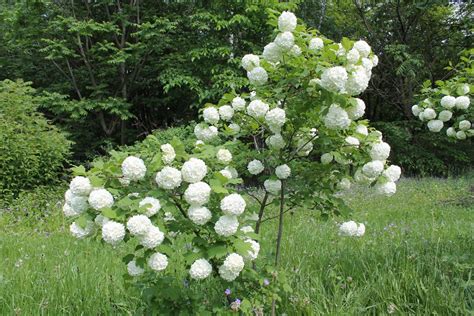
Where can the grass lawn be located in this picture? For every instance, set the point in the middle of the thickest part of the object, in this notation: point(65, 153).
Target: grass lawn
point(417, 257)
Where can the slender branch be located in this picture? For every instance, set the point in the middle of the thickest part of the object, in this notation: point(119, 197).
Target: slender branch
point(280, 223)
point(273, 217)
point(260, 213)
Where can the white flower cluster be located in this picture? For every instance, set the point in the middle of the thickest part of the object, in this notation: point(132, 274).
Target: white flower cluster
point(272, 186)
point(226, 225)
point(100, 198)
point(449, 108)
point(352, 229)
point(168, 154)
point(233, 204)
point(205, 132)
point(255, 167)
point(257, 109)
point(194, 170)
point(337, 118)
point(197, 194)
point(224, 156)
point(283, 171)
point(133, 168)
point(232, 266)
point(199, 215)
point(151, 204)
point(168, 178)
point(200, 269)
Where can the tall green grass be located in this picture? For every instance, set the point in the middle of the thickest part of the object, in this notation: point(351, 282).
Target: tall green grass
point(417, 257)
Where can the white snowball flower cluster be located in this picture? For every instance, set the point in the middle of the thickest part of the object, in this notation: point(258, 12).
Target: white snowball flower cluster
point(276, 117)
point(113, 232)
point(138, 225)
point(445, 115)
point(205, 133)
point(224, 156)
point(463, 102)
point(168, 154)
point(272, 186)
point(257, 76)
point(211, 115)
point(337, 118)
point(316, 43)
point(253, 253)
point(275, 142)
point(194, 170)
point(100, 198)
point(363, 48)
point(74, 204)
point(247, 229)
point(250, 61)
point(344, 184)
point(362, 129)
point(334, 78)
point(133, 168)
point(152, 238)
point(199, 215)
point(326, 158)
point(287, 22)
point(133, 269)
point(392, 173)
point(226, 225)
point(152, 205)
point(435, 125)
point(386, 188)
point(158, 262)
point(197, 194)
point(80, 186)
point(447, 102)
point(380, 151)
point(428, 114)
point(357, 81)
point(257, 109)
point(353, 56)
point(351, 228)
point(283, 171)
point(233, 204)
point(356, 111)
point(168, 178)
point(373, 169)
point(226, 112)
point(285, 41)
point(238, 104)
point(255, 167)
point(81, 232)
point(272, 53)
point(200, 269)
point(352, 141)
point(296, 50)
point(232, 266)
point(235, 128)
point(464, 125)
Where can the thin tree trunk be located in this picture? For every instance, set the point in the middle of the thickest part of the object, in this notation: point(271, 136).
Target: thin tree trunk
point(280, 223)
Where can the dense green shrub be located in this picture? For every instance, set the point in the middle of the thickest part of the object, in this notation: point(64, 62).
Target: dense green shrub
point(420, 152)
point(32, 151)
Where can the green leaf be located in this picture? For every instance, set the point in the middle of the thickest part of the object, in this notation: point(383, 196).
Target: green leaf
point(217, 187)
point(109, 213)
point(79, 171)
point(217, 252)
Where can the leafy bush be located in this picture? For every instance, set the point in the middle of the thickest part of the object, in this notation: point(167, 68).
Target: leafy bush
point(420, 152)
point(32, 151)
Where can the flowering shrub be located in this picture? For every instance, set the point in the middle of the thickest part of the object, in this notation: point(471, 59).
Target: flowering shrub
point(448, 104)
point(180, 208)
